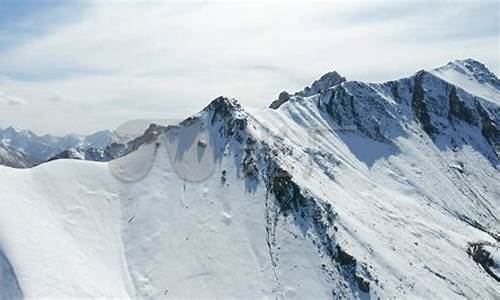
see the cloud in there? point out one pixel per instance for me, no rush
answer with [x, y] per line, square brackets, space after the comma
[55, 98]
[23, 21]
[11, 100]
[129, 60]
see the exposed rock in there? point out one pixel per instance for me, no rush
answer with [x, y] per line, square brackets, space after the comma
[222, 108]
[458, 109]
[489, 129]
[420, 106]
[282, 98]
[483, 257]
[326, 81]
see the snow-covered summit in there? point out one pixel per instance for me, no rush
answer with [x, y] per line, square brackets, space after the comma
[325, 82]
[474, 69]
[448, 112]
[472, 76]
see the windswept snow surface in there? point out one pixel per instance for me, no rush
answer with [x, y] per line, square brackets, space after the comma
[355, 190]
[60, 228]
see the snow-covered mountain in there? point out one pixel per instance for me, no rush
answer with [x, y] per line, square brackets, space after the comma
[347, 190]
[41, 148]
[12, 158]
[471, 76]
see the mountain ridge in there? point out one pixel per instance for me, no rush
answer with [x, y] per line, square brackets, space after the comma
[361, 190]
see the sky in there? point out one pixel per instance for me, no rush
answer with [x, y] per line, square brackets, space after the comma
[82, 66]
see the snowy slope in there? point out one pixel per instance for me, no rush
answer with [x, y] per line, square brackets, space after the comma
[62, 235]
[173, 231]
[352, 190]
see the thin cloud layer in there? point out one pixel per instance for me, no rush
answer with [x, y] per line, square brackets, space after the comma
[116, 61]
[11, 100]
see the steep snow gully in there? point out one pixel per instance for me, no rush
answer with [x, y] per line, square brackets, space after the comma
[344, 190]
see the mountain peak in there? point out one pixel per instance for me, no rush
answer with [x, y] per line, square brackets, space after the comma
[11, 129]
[468, 62]
[222, 101]
[470, 67]
[223, 107]
[326, 81]
[472, 76]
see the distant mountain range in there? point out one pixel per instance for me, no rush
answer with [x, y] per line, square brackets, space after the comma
[33, 149]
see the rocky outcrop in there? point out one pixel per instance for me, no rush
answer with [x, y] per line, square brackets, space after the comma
[282, 98]
[419, 105]
[489, 127]
[458, 109]
[327, 81]
[480, 252]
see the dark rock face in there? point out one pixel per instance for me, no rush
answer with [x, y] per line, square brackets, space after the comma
[231, 117]
[363, 284]
[482, 256]
[490, 129]
[395, 90]
[287, 193]
[282, 98]
[458, 109]
[326, 81]
[341, 107]
[420, 107]
[222, 108]
[250, 161]
[350, 112]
